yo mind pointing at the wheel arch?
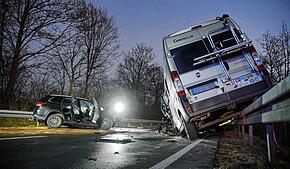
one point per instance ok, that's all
(183, 114)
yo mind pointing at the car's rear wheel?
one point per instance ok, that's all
(106, 124)
(54, 121)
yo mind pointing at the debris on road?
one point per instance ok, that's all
(92, 159)
(114, 140)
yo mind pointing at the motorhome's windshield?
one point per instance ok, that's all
(184, 56)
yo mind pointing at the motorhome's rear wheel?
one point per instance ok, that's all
(190, 130)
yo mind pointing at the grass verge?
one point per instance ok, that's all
(235, 152)
(31, 131)
(10, 127)
(17, 122)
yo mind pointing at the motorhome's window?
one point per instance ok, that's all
(224, 40)
(184, 56)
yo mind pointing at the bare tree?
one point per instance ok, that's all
(67, 61)
(140, 75)
(155, 85)
(40, 83)
(57, 74)
(30, 29)
(275, 53)
(100, 35)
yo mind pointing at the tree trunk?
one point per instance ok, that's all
(70, 87)
(10, 90)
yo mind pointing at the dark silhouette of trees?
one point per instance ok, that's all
(67, 62)
(139, 75)
(29, 29)
(100, 35)
(69, 43)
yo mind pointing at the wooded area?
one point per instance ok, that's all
(67, 47)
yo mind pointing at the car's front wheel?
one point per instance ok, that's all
(106, 124)
(54, 121)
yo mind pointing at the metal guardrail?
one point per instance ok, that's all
(124, 122)
(272, 107)
(15, 113)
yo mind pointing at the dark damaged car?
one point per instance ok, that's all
(57, 110)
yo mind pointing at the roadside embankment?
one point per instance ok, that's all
(235, 152)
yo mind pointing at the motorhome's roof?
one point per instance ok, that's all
(193, 27)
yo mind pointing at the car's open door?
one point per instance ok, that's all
(96, 113)
(75, 107)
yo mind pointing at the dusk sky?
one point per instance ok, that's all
(148, 21)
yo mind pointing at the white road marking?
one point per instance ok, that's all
(165, 163)
(17, 138)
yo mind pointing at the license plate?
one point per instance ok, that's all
(248, 79)
(204, 87)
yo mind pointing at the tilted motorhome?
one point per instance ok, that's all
(210, 70)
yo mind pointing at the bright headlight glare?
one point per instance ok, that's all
(119, 107)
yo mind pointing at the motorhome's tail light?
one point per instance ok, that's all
(177, 83)
(38, 104)
(257, 59)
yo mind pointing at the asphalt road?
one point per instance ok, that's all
(134, 149)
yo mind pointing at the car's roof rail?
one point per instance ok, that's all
(59, 95)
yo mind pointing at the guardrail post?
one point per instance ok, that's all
(236, 130)
(37, 123)
(251, 139)
(243, 130)
(270, 143)
(239, 131)
(129, 124)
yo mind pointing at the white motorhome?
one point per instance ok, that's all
(210, 70)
